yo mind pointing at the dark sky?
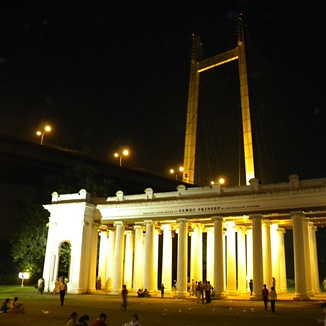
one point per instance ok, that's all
(110, 74)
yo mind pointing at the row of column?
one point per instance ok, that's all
(234, 255)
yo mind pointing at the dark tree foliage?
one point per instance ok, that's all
(28, 241)
(80, 176)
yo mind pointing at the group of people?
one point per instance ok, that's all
(142, 293)
(16, 307)
(100, 321)
(202, 290)
(84, 319)
(269, 295)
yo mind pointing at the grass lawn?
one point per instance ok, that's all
(46, 310)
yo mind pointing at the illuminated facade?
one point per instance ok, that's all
(226, 235)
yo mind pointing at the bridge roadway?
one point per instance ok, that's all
(24, 162)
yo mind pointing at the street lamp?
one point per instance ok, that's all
(123, 153)
(221, 181)
(42, 132)
(23, 276)
(181, 169)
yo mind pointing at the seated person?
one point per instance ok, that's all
(134, 321)
(145, 293)
(100, 321)
(72, 320)
(140, 293)
(17, 307)
(83, 320)
(4, 307)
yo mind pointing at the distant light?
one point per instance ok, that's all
(221, 181)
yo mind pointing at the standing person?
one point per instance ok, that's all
(100, 321)
(209, 289)
(62, 290)
(162, 290)
(198, 292)
(72, 320)
(40, 286)
(272, 298)
(264, 294)
(124, 294)
(251, 286)
(192, 292)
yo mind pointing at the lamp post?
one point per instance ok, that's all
(42, 132)
(221, 181)
(120, 155)
(180, 169)
(23, 276)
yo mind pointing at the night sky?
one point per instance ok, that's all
(107, 75)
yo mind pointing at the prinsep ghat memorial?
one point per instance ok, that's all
(225, 235)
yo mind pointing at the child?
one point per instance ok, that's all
(4, 308)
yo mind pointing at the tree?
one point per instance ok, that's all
(29, 238)
(79, 176)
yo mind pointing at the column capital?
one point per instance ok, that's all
(281, 230)
(241, 227)
(297, 213)
(118, 223)
(138, 226)
(149, 222)
(217, 218)
(182, 220)
(255, 217)
(165, 226)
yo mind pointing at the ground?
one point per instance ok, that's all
(46, 310)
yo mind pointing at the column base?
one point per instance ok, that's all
(256, 297)
(301, 297)
(182, 295)
(115, 292)
(219, 296)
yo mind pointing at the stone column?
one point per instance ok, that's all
(102, 260)
(249, 257)
(281, 284)
(307, 256)
(149, 257)
(257, 256)
(210, 256)
(231, 287)
(118, 258)
(110, 261)
(267, 253)
(182, 259)
(275, 245)
(197, 252)
(155, 270)
(138, 258)
(314, 259)
(218, 258)
(167, 258)
(129, 254)
(93, 259)
(300, 278)
(241, 255)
